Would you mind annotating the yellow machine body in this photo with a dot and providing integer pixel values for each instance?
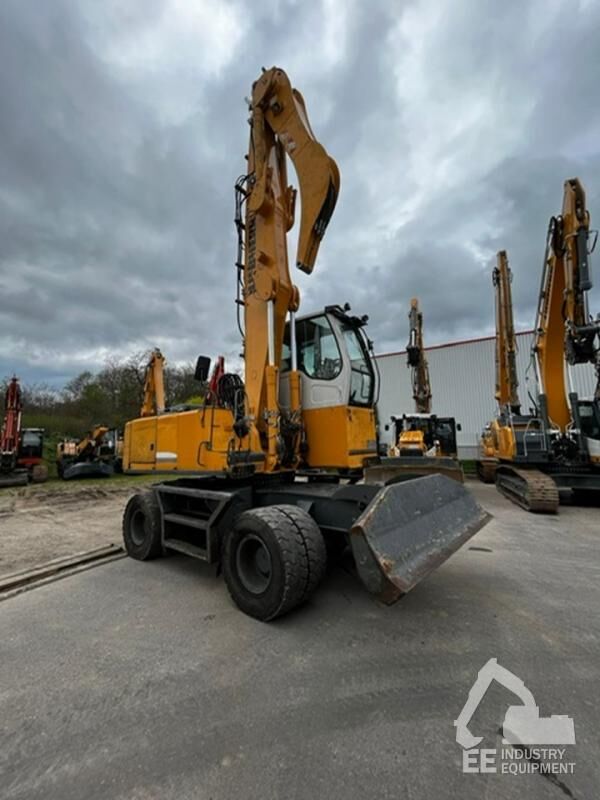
(412, 443)
(498, 442)
(192, 441)
(337, 391)
(339, 437)
(201, 440)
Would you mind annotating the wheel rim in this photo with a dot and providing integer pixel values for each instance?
(253, 563)
(137, 527)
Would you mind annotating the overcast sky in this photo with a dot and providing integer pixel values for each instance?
(123, 129)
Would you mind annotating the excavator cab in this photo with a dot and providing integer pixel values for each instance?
(589, 417)
(31, 444)
(436, 434)
(339, 386)
(424, 444)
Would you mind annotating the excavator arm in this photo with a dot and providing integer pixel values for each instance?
(564, 329)
(11, 427)
(154, 387)
(279, 126)
(279, 114)
(89, 443)
(417, 361)
(507, 384)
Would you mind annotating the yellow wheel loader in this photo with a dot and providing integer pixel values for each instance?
(231, 493)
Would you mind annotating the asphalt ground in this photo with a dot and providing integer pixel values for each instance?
(143, 680)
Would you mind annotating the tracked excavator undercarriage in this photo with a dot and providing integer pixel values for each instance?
(532, 489)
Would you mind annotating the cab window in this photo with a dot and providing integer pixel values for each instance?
(319, 356)
(31, 439)
(361, 376)
(590, 420)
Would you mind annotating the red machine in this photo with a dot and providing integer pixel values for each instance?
(20, 448)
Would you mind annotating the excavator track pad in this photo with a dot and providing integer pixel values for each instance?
(88, 469)
(486, 470)
(409, 529)
(529, 488)
(14, 479)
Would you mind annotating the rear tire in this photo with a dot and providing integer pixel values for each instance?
(141, 527)
(273, 560)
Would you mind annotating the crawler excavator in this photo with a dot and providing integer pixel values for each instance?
(424, 443)
(507, 384)
(556, 448)
(21, 449)
(97, 455)
(233, 497)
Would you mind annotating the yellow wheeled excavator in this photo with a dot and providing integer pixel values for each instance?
(424, 442)
(233, 496)
(555, 448)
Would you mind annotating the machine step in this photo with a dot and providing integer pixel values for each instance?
(188, 549)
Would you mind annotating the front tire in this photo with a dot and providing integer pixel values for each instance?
(141, 527)
(274, 558)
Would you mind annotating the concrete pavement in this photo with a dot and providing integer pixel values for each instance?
(142, 680)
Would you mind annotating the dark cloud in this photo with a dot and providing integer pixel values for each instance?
(123, 129)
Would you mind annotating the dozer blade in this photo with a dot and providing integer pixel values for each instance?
(391, 467)
(409, 529)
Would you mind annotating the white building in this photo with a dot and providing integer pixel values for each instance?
(462, 385)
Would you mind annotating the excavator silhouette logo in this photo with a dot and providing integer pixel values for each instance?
(522, 724)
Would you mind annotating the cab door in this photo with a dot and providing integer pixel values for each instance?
(140, 444)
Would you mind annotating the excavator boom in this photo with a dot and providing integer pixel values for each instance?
(507, 384)
(417, 360)
(154, 387)
(11, 427)
(564, 329)
(279, 118)
(278, 126)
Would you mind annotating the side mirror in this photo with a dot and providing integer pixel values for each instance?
(458, 426)
(202, 369)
